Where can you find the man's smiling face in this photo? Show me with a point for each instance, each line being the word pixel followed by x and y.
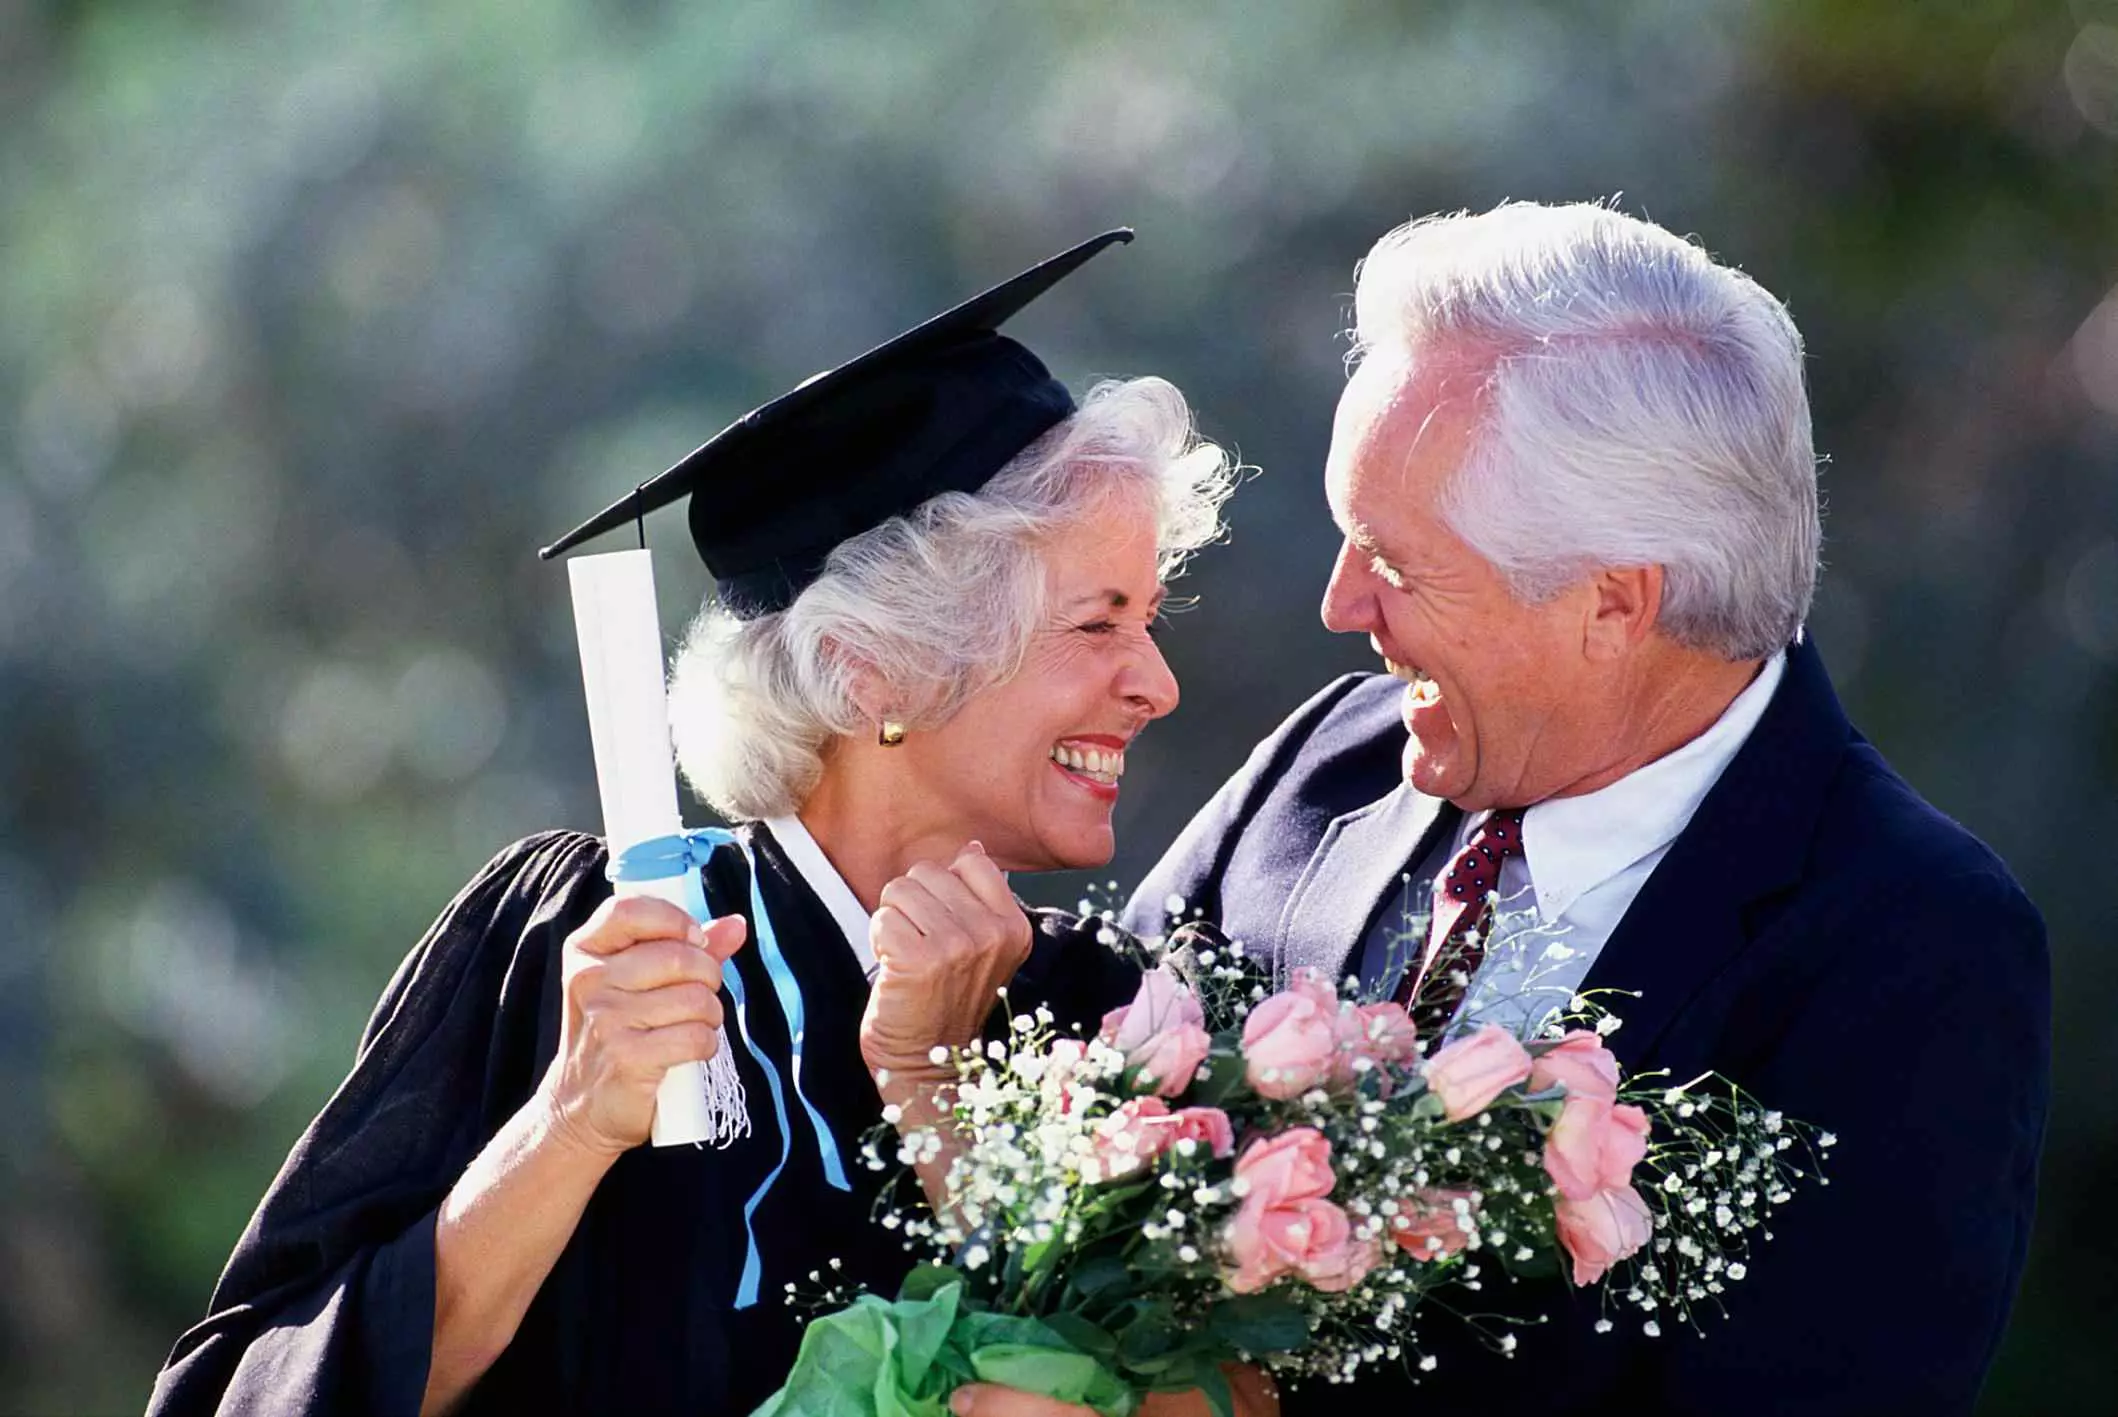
pixel 1503 706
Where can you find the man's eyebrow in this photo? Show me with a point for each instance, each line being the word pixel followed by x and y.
pixel 1363 539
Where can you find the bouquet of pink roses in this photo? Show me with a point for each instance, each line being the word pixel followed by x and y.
pixel 1226 1173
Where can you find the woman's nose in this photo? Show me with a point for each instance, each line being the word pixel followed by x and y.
pixel 1149 681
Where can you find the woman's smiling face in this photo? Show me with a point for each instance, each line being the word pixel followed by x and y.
pixel 1030 767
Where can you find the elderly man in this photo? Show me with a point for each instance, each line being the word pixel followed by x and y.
pixel 1574 477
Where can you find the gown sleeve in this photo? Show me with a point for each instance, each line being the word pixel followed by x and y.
pixel 327 1304
pixel 1079 967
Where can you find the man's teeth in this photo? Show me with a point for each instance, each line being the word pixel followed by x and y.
pixel 1424 689
pixel 1406 672
pixel 1100 764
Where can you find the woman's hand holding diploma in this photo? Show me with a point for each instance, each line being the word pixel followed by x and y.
pixel 642 984
pixel 642 991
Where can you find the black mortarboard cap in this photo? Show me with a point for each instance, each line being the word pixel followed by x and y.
pixel 940 408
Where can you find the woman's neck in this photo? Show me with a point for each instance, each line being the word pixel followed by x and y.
pixel 871 836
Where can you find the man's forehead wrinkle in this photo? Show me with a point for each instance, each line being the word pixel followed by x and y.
pixel 1448 409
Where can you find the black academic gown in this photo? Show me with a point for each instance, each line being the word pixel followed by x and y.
pixel 327 1305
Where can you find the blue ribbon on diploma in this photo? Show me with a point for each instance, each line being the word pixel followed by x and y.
pixel 668 857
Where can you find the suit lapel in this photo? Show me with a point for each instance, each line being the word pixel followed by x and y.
pixel 1747 840
pixel 1356 867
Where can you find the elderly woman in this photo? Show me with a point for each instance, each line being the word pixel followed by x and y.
pixel 929 658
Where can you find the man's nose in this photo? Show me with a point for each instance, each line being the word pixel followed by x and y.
pixel 1349 599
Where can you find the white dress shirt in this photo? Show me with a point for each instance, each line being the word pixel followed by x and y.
pixel 1585 859
pixel 821 876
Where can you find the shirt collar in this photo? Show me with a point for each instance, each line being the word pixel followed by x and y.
pixel 822 877
pixel 1574 844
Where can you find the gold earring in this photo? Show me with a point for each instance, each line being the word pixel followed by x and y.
pixel 890 734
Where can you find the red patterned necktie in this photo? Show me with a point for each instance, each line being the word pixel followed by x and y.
pixel 1455 947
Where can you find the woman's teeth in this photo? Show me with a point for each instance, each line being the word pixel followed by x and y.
pixel 1424 689
pixel 1104 765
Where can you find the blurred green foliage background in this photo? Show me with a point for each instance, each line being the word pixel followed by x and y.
pixel 316 318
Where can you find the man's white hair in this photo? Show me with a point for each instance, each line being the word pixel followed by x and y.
pixel 938 604
pixel 1641 405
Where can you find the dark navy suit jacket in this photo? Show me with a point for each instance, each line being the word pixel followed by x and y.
pixel 1817 933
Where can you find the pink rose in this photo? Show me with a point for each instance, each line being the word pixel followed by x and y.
pixel 1594 1146
pixel 1469 1073
pixel 1311 1239
pixel 1380 1033
pixel 1425 1226
pixel 1579 1063
pixel 1602 1229
pixel 1291 1039
pixel 1144 1128
pixel 1162 1033
pixel 1285 1226
pixel 1124 1141
pixel 1208 1125
pixel 1294 1165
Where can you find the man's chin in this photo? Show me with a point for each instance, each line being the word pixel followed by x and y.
pixel 1425 772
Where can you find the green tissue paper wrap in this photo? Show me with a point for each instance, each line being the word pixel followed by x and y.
pixel 902 1358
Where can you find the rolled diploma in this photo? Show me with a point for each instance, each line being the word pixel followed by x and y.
pixel 620 631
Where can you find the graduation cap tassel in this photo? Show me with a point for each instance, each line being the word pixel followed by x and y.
pixel 727 1110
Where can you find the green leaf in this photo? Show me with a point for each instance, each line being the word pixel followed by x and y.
pixel 1090 1338
pixel 926 1281
pixel 1103 1279
pixel 1259 1323
pixel 1217 1078
pixel 1214 1384
pixel 1151 1335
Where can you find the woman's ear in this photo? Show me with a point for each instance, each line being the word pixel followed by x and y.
pixel 871 695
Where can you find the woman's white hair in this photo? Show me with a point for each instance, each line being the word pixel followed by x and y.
pixel 938 604
pixel 1641 405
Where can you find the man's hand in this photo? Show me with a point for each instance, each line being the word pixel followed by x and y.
pixel 642 987
pixel 945 939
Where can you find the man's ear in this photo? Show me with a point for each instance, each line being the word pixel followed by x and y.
pixel 1625 603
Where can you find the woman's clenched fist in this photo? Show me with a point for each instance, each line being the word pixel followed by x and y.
pixel 642 989
pixel 946 938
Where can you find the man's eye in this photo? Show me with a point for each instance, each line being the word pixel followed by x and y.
pixel 1388 574
pixel 1097 627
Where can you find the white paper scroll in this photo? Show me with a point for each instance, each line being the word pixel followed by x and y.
pixel 620 632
